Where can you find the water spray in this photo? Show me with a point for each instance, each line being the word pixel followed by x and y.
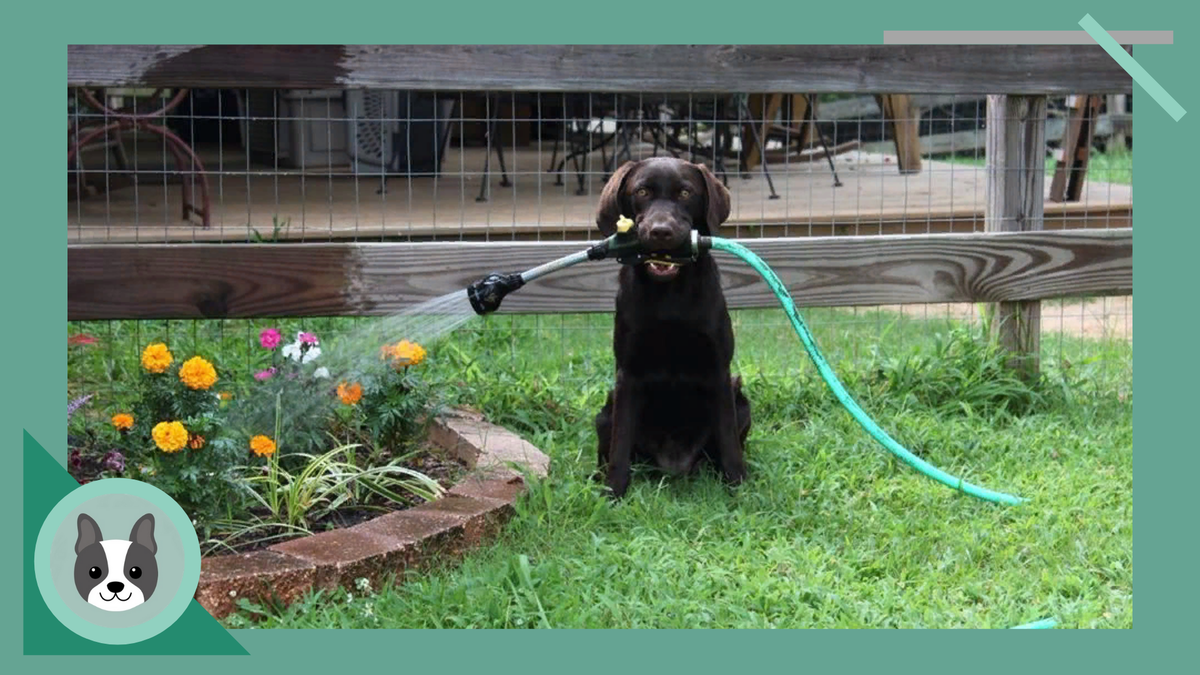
pixel 486 295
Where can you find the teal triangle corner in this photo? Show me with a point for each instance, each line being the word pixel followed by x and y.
pixel 195 633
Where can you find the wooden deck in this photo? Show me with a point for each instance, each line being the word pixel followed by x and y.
pixel 335 205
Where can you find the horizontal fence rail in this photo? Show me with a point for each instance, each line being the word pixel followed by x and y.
pixel 884 69
pixel 169 281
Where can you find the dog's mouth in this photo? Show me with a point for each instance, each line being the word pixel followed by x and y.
pixel 116 596
pixel 661 270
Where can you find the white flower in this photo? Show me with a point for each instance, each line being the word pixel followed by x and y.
pixel 298 351
pixel 321 372
pixel 292 351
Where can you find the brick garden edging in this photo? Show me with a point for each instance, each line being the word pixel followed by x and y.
pixel 469 514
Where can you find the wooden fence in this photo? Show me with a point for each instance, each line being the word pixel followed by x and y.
pixel 1013 265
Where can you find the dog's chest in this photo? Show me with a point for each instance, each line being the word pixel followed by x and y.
pixel 669 351
pixel 676 375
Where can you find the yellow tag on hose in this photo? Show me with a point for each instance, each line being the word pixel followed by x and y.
pixel 623 224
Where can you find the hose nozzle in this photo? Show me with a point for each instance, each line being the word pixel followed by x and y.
pixel 485 295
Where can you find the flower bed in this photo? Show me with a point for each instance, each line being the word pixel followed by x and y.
pixel 466 516
pixel 302 442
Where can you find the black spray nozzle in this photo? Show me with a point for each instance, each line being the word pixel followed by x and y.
pixel 485 295
pixel 635 253
pixel 629 250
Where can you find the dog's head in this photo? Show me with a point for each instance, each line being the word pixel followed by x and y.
pixel 666 198
pixel 115 574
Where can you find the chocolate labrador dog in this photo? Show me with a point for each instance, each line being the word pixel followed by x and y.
pixel 675 404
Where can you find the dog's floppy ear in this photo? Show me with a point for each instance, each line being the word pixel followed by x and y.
pixel 89 533
pixel 143 533
pixel 716 199
pixel 612 200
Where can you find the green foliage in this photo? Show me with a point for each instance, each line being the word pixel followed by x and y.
pixel 395 407
pixel 202 476
pixel 278 226
pixel 829 530
pixel 956 374
pixel 330 481
pixel 231 492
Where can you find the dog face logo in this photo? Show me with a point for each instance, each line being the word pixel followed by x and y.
pixel 115 574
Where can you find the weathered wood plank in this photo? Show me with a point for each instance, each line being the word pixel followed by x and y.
pixel 248 280
pixel 1016 147
pixel 875 69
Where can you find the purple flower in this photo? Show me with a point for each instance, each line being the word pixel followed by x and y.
pixel 114 461
pixel 75 459
pixel 76 405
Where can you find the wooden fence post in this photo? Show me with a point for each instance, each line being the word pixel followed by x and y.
pixel 1016 168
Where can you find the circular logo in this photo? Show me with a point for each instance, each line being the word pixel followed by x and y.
pixel 117 561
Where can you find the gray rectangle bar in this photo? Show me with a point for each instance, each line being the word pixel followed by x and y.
pixel 1022 37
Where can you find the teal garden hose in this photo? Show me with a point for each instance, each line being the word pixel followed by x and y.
pixel 839 391
pixel 485 296
pixel 1041 623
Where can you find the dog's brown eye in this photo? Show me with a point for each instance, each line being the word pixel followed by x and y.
pixel 642 192
pixel 135 572
pixel 95 573
pixel 684 194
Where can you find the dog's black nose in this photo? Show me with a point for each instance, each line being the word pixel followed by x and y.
pixel 661 232
pixel 115 587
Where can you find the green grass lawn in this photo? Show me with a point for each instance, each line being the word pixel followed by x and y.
pixel 828 531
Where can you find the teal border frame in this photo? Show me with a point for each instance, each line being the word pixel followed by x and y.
pixel 34 277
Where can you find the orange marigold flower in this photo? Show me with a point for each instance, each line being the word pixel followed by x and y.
pixel 122 421
pixel 196 442
pixel 404 353
pixel 350 394
pixel 226 395
pixel 169 436
pixel 156 358
pixel 262 446
pixel 197 373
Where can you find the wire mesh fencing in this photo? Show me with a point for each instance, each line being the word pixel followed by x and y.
pixel 311 166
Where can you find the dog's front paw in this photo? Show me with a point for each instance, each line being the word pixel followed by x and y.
pixel 735 475
pixel 618 484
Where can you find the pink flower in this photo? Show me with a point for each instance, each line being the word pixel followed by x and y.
pixel 269 338
pixel 308 338
pixel 81 339
pixel 265 374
